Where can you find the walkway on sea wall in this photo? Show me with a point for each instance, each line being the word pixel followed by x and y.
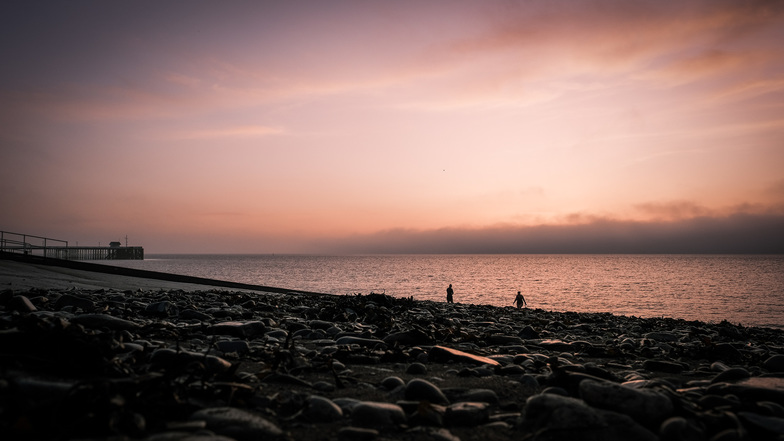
pixel 154 275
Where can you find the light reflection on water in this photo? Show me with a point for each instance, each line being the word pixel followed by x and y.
pixel 746 289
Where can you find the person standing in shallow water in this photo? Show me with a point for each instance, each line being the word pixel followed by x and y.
pixel 520 300
pixel 449 293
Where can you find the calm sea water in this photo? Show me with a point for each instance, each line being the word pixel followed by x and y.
pixel 745 289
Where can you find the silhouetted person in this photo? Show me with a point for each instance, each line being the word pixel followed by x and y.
pixel 520 300
pixel 449 293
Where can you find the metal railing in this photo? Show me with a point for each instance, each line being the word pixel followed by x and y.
pixel 28 244
pixel 40 246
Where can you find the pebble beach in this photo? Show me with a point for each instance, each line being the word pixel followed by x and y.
pixel 101 357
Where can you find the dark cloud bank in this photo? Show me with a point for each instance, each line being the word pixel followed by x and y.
pixel 740 233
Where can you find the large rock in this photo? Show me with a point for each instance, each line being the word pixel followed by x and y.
pixel 645 406
pixel 774 363
pixel 557 418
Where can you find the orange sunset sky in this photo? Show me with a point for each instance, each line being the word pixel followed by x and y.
pixel 395 126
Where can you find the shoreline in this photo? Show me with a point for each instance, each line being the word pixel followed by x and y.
pixel 185 360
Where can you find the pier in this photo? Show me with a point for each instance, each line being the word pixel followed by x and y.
pixel 28 244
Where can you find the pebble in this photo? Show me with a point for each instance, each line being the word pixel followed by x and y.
pixel 457 395
pixel 21 304
pixel 191 314
pixel 467 414
pixel 321 410
pixel 663 366
pixel 416 369
pixel 377 415
pixel 66 300
pixel 238 346
pixel 392 383
pixel 367 342
pixel 256 365
pixel 423 390
pixel 104 321
pixel 357 434
pixel 237 423
pixel 680 429
pixel 774 363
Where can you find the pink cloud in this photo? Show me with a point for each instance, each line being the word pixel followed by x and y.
pixel 249 131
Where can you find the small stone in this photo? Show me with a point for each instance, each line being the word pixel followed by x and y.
pixel 357 434
pixel 726 352
pixel 718 366
pixel 392 383
pixel 162 309
pixel 504 340
pixel 512 370
pixel 21 304
pixel 663 366
pixel 770 425
pixel 279 334
pixel 238 346
pixel 478 395
pixel 752 389
pixel 774 363
pixel 426 414
pixel 528 333
pixel 97 321
pixel 377 415
pixel 323 386
pixel 237 423
pixel 74 301
pixel 347 405
pixel 467 414
pixel 239 329
pixel 668 337
pixel 730 375
pixel 423 390
pixel 416 369
pixel 191 314
pixel 411 337
pixel 321 410
pixel 234 329
pixel 320 324
pixel 680 429
pixel 727 435
pixel 366 342
pixel 441 435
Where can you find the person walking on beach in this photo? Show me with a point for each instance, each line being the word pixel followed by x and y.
pixel 520 300
pixel 449 293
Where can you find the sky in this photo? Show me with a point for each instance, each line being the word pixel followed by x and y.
pixel 395 126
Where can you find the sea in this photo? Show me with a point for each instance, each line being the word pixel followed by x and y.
pixel 741 289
